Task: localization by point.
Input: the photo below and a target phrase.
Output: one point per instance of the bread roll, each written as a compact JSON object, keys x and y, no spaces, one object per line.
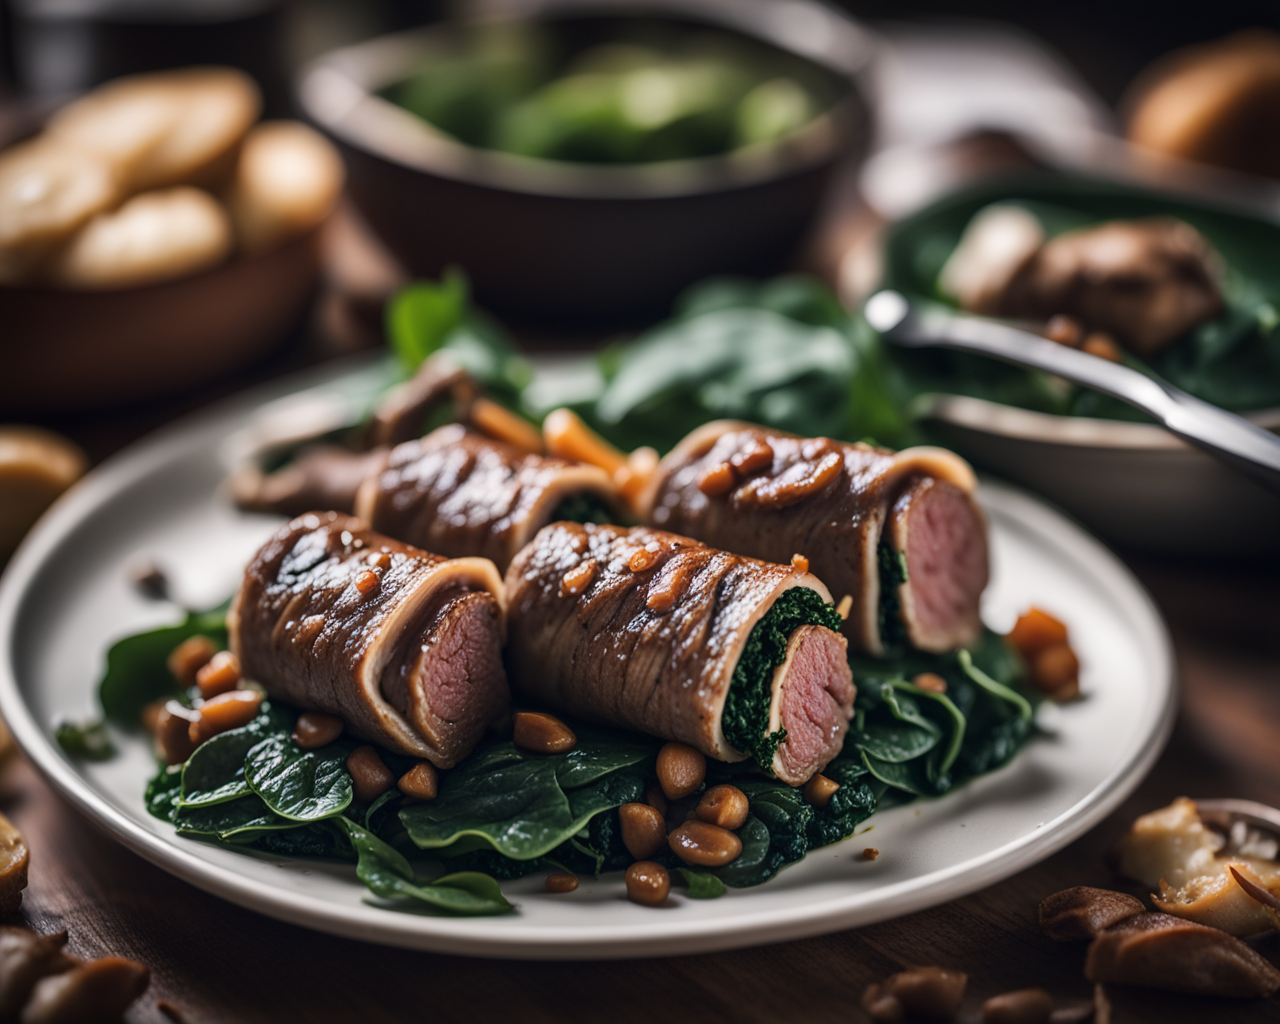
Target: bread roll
{"x":286,"y":181}
{"x":47,"y":191}
{"x":153,"y":237}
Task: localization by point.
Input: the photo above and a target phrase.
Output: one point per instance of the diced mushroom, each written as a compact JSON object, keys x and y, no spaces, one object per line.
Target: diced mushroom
{"x":25,"y":958}
{"x":97,"y":991}
{"x":13,"y":867}
{"x":1154,"y":950}
{"x":1081,"y":913}
{"x":926,"y":991}
{"x":1025,"y":1006}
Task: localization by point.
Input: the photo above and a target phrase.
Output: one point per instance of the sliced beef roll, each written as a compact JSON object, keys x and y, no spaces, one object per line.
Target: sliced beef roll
{"x":403,"y":645}
{"x":898,"y":533}
{"x":461,"y":493}
{"x":652,"y":631}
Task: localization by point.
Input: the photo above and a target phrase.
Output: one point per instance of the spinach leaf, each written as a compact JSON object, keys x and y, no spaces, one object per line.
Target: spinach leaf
{"x":136,"y":672}
{"x":214,"y":773}
{"x":389,"y":876}
{"x":524,"y":805}
{"x":425,"y":317}
{"x":163,"y":792}
{"x":301,"y":785}
{"x":243,"y":818}
{"x":702,"y":886}
{"x":85,"y":739}
{"x":994,"y":688}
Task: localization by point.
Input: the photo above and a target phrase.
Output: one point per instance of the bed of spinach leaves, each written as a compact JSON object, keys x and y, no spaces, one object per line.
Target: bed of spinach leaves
{"x":504,"y":813}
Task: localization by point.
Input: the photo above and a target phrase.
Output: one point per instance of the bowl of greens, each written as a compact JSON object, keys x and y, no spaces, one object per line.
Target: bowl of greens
{"x":586,"y":161}
{"x":1123,"y":476}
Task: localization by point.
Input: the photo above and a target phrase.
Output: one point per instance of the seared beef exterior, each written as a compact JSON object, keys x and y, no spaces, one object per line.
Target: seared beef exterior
{"x":773,"y":495}
{"x":643,"y":629}
{"x":460,"y":493}
{"x":403,"y":645}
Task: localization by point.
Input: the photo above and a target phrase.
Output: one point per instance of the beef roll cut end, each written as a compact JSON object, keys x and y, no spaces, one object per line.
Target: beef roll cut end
{"x":647,"y":630}
{"x":460,"y":493}
{"x":403,"y":645}
{"x":899,"y":533}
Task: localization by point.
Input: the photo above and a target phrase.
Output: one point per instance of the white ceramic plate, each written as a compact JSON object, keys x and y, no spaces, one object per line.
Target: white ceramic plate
{"x":66,"y":596}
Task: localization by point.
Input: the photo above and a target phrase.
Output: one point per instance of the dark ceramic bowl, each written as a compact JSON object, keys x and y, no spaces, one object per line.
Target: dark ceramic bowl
{"x":557,"y":242}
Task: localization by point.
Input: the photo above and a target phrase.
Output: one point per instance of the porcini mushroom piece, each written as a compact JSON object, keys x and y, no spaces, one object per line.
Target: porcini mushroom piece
{"x":927,"y":991}
{"x":1145,"y":282}
{"x":999,"y":241}
{"x":323,"y":476}
{"x":1218,"y":900}
{"x":1266,"y":899}
{"x":13,"y":867}
{"x":1080,"y":913}
{"x":97,"y":992}
{"x":1154,"y":950}
{"x":25,"y":958}
{"x":1172,"y":844}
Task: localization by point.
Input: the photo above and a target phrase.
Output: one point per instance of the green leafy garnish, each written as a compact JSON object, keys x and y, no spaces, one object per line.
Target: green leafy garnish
{"x":85,"y":739}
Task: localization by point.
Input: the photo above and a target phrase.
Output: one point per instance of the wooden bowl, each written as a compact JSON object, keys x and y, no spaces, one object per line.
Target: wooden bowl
{"x":557,"y":242}
{"x":77,"y":351}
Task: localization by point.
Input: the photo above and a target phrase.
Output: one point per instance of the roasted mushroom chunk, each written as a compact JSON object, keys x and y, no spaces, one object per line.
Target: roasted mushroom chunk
{"x":1146,"y":282}
{"x":1171,"y":844}
{"x":924,"y":991}
{"x":25,"y":958}
{"x":1154,"y":950}
{"x":13,"y":867}
{"x":1081,"y":913}
{"x":323,"y":476}
{"x":97,"y":991}
{"x":1219,"y":900}
{"x":1190,"y":865}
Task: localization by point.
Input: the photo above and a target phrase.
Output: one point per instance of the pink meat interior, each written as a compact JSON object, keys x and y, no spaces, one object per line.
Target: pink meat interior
{"x":946,"y":561}
{"x":817,"y":700}
{"x":450,"y":679}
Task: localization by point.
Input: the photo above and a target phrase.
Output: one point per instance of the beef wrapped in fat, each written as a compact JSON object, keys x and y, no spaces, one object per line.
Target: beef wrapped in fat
{"x":403,"y":645}
{"x":648,"y":630}
{"x":460,"y":493}
{"x":898,"y":533}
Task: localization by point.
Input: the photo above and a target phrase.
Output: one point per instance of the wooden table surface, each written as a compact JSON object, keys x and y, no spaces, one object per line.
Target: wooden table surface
{"x":218,"y":962}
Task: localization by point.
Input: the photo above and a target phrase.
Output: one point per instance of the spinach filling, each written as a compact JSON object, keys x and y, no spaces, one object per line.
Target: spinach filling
{"x":584,"y":507}
{"x":746,"y":709}
{"x":893,"y":573}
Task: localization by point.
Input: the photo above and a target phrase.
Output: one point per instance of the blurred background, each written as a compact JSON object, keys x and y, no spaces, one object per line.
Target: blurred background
{"x":808,"y":142}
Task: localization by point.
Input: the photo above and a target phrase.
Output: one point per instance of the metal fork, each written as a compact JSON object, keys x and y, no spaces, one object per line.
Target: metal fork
{"x":1233,"y":439}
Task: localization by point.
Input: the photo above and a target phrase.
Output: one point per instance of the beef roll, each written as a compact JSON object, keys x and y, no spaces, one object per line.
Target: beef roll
{"x":403,"y":645}
{"x":461,"y":493}
{"x":899,"y":533}
{"x":647,"y":630}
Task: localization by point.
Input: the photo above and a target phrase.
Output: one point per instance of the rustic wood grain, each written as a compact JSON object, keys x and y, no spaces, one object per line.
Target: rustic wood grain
{"x":218,"y":962}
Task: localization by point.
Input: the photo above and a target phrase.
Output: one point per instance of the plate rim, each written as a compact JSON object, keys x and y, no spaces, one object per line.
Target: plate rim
{"x":666,"y":937}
